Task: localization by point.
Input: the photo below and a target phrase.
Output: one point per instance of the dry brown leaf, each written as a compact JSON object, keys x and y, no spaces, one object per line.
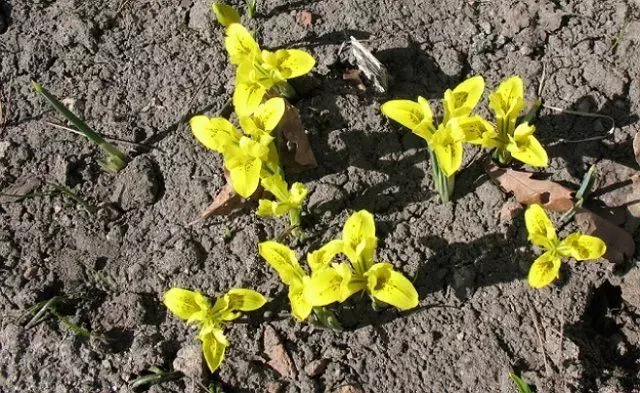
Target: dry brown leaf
{"x":305,"y":18}
{"x":275,"y":350}
{"x":353,"y":75}
{"x":636,"y":147}
{"x":551,"y":195}
{"x":620,"y":244}
{"x":225,"y":202}
{"x":294,"y":147}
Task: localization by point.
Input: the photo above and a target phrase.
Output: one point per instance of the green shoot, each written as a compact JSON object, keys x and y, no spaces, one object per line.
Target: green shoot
{"x":252,"y":5}
{"x":583,"y":192}
{"x":115,"y":161}
{"x":156,"y":376}
{"x":41,"y":310}
{"x":522,"y":385}
{"x":618,"y":37}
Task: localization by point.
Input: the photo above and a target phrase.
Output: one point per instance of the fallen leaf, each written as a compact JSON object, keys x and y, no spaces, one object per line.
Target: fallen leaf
{"x":353,"y":75}
{"x":620,"y":244}
{"x":551,"y":195}
{"x":636,"y":147}
{"x":225,"y":202}
{"x":305,"y":18}
{"x":275,"y":350}
{"x":293,"y":144}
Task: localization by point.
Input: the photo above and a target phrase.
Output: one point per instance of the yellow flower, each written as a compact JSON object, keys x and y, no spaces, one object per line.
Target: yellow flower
{"x":546,"y":267}
{"x":339,"y":281}
{"x":260,"y":70}
{"x":524,"y":147}
{"x":245,"y":155}
{"x":286,"y":200}
{"x":194,"y":307}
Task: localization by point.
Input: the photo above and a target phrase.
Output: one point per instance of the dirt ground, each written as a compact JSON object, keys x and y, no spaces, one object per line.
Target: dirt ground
{"x":137,"y":69}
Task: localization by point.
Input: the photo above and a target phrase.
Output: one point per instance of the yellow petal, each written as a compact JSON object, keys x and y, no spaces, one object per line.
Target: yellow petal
{"x":474,"y":128}
{"x":268,"y":115}
{"x":185,"y":304}
{"x":300,"y":306}
{"x":359,"y":225}
{"x":448,"y":149}
{"x":277,"y":186}
{"x":293,"y":63}
{"x":245,"y":176}
{"x":323,"y":257}
{"x":582,"y":247}
{"x":267,"y":208}
{"x":240,"y":44}
{"x":391,"y":287}
{"x":225,"y":14}
{"x":351,"y":283}
{"x":324,"y":287}
{"x":539,"y":226}
{"x":544,"y":270}
{"x":213,"y":349}
{"x":508,"y":99}
{"x":298,"y":193}
{"x":214,"y":133}
{"x":247,"y":96}
{"x":529,"y":151}
{"x":283,"y":260}
{"x":245,"y":299}
{"x":410,"y":114}
{"x":359,"y":237}
{"x":461,"y":100}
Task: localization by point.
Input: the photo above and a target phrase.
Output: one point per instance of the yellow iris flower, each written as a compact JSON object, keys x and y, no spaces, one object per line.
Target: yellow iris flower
{"x":260,"y":71}
{"x":195,"y":308}
{"x":542,"y":233}
{"x":513,"y":140}
{"x":250,"y":155}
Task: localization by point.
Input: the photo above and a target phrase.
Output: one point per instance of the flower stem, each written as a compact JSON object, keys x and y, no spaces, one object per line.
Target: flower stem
{"x":284,"y":89}
{"x":295,"y":221}
{"x":502,"y":156}
{"x":444,"y":183}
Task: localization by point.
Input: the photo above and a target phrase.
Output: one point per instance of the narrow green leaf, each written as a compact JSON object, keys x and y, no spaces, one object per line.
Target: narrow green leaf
{"x":116,"y":160}
{"x":522,"y":385}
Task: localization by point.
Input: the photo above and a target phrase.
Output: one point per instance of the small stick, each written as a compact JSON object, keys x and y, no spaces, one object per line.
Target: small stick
{"x":540,"y":341}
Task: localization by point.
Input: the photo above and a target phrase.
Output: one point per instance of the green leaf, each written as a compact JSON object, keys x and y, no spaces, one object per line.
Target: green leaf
{"x":522,"y":385}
